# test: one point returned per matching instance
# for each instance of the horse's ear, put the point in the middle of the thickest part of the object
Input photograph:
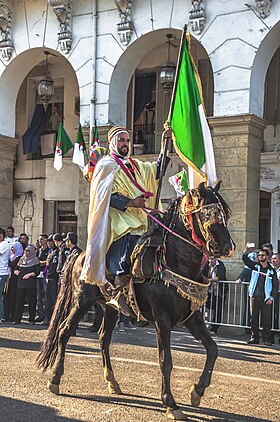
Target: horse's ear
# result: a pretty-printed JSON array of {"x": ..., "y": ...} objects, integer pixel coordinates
[
  {"x": 217, "y": 186},
  {"x": 202, "y": 190}
]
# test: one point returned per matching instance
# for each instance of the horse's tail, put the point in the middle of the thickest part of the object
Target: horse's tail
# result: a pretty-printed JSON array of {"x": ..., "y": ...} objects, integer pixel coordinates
[{"x": 63, "y": 306}]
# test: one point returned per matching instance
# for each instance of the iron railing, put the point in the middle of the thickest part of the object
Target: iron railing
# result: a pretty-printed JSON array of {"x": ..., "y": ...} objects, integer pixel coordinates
[{"x": 232, "y": 307}]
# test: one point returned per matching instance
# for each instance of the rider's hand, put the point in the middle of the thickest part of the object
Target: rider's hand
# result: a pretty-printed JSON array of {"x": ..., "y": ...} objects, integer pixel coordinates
[
  {"x": 138, "y": 202},
  {"x": 268, "y": 302},
  {"x": 167, "y": 134}
]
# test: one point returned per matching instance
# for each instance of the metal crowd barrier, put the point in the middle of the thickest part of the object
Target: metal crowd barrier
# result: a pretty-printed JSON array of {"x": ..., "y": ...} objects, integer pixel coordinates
[{"x": 232, "y": 307}]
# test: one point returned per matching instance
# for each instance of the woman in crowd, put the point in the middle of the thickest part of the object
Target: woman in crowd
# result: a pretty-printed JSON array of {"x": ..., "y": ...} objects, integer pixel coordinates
[
  {"x": 28, "y": 269},
  {"x": 11, "y": 285}
]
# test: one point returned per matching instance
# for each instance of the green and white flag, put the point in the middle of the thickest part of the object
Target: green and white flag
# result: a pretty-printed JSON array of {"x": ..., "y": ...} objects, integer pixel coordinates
[
  {"x": 179, "y": 182},
  {"x": 63, "y": 145},
  {"x": 191, "y": 134},
  {"x": 79, "y": 149}
]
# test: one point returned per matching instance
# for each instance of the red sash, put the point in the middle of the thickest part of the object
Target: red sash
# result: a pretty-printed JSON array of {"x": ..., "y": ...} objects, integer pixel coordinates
[{"x": 130, "y": 176}]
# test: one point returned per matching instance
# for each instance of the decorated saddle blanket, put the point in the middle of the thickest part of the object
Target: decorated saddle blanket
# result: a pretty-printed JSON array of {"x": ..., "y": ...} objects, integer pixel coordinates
[{"x": 145, "y": 256}]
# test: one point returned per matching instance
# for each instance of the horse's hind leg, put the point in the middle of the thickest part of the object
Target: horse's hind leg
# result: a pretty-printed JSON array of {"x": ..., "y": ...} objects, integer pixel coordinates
[
  {"x": 163, "y": 330},
  {"x": 105, "y": 335},
  {"x": 86, "y": 297},
  {"x": 197, "y": 328}
]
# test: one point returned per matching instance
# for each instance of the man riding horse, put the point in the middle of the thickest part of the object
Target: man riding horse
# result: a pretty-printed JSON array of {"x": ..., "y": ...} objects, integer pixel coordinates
[{"x": 121, "y": 187}]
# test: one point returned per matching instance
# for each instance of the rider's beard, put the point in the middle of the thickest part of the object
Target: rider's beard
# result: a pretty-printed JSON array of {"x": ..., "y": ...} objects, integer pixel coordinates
[{"x": 123, "y": 151}]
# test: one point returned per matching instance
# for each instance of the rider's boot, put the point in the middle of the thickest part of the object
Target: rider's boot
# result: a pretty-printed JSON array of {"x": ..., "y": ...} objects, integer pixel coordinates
[{"x": 118, "y": 300}]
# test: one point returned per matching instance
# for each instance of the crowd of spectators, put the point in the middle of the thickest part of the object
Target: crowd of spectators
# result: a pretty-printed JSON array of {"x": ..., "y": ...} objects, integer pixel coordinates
[{"x": 31, "y": 273}]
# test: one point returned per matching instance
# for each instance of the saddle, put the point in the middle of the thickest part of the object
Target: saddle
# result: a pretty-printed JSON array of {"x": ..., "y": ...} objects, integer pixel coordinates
[{"x": 145, "y": 255}]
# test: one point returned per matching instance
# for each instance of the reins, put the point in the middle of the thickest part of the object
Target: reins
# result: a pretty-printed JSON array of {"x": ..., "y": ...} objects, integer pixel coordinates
[{"x": 169, "y": 230}]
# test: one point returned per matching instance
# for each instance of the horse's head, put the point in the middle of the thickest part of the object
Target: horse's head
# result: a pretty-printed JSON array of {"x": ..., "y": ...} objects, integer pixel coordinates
[{"x": 208, "y": 213}]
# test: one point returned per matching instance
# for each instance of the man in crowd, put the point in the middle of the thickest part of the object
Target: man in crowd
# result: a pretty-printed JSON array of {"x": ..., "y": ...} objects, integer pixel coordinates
[
  {"x": 11, "y": 238},
  {"x": 71, "y": 242},
  {"x": 24, "y": 240},
  {"x": 63, "y": 252},
  {"x": 269, "y": 248},
  {"x": 121, "y": 187},
  {"x": 51, "y": 279},
  {"x": 42, "y": 254},
  {"x": 4, "y": 269},
  {"x": 262, "y": 291},
  {"x": 275, "y": 262},
  {"x": 215, "y": 272}
]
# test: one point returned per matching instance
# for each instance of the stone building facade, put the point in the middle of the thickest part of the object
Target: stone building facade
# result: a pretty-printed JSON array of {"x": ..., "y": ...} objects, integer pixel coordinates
[{"x": 96, "y": 52}]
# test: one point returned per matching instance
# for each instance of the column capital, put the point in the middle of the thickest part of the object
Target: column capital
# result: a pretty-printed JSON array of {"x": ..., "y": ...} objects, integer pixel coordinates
[{"x": 240, "y": 124}]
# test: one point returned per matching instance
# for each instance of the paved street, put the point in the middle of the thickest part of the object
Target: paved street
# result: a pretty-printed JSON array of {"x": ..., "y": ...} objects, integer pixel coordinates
[{"x": 245, "y": 384}]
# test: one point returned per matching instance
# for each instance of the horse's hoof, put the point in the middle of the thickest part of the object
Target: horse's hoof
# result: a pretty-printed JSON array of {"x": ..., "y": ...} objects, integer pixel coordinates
[
  {"x": 195, "y": 398},
  {"x": 114, "y": 389},
  {"x": 176, "y": 415},
  {"x": 54, "y": 388}
]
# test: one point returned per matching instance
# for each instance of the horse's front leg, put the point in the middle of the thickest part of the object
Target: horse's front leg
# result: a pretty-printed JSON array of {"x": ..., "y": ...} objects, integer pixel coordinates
[
  {"x": 163, "y": 330},
  {"x": 198, "y": 329},
  {"x": 86, "y": 297},
  {"x": 105, "y": 335}
]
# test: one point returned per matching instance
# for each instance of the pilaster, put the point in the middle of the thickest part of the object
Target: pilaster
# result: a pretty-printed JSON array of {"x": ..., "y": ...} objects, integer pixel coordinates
[
  {"x": 237, "y": 144},
  {"x": 7, "y": 156}
]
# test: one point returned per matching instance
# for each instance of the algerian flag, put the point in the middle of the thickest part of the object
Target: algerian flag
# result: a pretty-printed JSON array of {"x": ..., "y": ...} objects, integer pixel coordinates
[
  {"x": 95, "y": 139},
  {"x": 63, "y": 145},
  {"x": 79, "y": 148},
  {"x": 179, "y": 182},
  {"x": 191, "y": 134}
]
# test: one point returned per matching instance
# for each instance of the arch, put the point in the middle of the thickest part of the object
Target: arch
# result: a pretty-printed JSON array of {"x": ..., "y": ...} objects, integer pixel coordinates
[
  {"x": 11, "y": 81},
  {"x": 261, "y": 62},
  {"x": 126, "y": 66}
]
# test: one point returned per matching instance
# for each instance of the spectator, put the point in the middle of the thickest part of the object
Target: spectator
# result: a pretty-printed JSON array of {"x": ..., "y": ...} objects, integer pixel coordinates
[
  {"x": 11, "y": 285},
  {"x": 4, "y": 269},
  {"x": 42, "y": 254},
  {"x": 71, "y": 242},
  {"x": 269, "y": 248},
  {"x": 215, "y": 271},
  {"x": 11, "y": 238},
  {"x": 27, "y": 270},
  {"x": 24, "y": 240},
  {"x": 275, "y": 262},
  {"x": 51, "y": 279},
  {"x": 245, "y": 277},
  {"x": 262, "y": 290},
  {"x": 62, "y": 254}
]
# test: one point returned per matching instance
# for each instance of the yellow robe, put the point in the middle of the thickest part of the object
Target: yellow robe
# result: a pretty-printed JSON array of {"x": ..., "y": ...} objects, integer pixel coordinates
[{"x": 107, "y": 224}]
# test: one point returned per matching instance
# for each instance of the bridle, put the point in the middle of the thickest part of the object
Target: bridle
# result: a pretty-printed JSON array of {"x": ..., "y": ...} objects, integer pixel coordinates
[{"x": 205, "y": 215}]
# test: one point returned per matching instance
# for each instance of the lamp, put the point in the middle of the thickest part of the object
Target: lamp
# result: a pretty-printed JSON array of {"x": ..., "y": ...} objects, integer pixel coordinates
[
  {"x": 167, "y": 71},
  {"x": 46, "y": 85}
]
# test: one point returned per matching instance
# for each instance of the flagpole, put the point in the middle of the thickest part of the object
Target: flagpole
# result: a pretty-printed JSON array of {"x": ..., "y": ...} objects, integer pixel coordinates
[{"x": 162, "y": 168}]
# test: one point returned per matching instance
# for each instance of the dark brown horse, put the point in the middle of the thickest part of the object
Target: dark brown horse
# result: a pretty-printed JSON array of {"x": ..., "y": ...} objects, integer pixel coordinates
[{"x": 199, "y": 218}]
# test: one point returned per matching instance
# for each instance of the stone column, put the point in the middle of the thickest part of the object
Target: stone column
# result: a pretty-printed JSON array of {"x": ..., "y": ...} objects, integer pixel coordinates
[
  {"x": 7, "y": 157},
  {"x": 237, "y": 144}
]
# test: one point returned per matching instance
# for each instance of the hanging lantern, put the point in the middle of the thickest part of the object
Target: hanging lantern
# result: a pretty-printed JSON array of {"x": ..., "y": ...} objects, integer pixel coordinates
[
  {"x": 167, "y": 71},
  {"x": 46, "y": 85}
]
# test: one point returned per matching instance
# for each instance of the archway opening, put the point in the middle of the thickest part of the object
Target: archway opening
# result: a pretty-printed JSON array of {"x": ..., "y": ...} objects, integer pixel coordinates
[{"x": 144, "y": 58}]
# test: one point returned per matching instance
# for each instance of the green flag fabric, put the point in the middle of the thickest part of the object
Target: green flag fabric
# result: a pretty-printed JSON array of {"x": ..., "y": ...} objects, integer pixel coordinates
[
  {"x": 63, "y": 145},
  {"x": 191, "y": 133}
]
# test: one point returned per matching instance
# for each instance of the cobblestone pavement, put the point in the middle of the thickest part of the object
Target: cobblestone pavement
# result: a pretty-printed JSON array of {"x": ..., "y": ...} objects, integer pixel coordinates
[{"x": 245, "y": 385}]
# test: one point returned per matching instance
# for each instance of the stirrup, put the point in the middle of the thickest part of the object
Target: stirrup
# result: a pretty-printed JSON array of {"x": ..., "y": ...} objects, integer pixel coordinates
[{"x": 114, "y": 302}]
